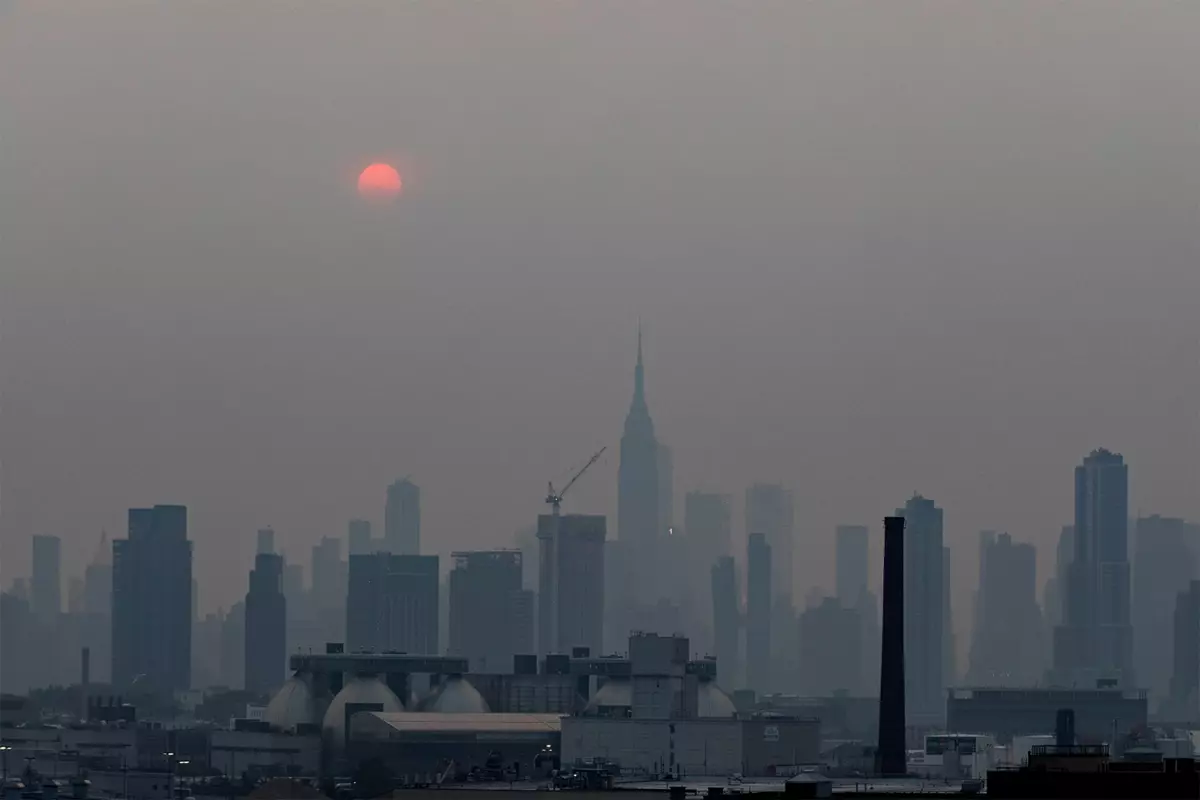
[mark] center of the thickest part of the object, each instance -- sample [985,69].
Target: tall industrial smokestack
[85,680]
[891,755]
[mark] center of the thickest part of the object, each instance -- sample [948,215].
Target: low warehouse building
[419,743]
[693,747]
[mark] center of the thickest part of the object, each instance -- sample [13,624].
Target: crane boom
[554,498]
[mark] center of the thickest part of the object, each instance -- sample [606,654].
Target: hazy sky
[877,247]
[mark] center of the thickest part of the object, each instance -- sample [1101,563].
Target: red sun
[379,182]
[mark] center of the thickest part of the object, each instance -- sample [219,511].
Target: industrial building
[1005,713]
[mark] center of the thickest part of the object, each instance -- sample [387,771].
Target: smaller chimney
[85,680]
[1064,727]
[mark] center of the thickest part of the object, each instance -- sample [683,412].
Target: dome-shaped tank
[455,695]
[713,702]
[292,705]
[614,698]
[364,690]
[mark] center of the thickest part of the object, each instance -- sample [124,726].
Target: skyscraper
[924,611]
[666,490]
[266,625]
[571,583]
[851,569]
[264,541]
[726,622]
[1095,640]
[769,512]
[47,578]
[1164,564]
[758,612]
[831,643]
[1006,644]
[638,496]
[392,603]
[491,614]
[328,595]
[1184,695]
[708,525]
[402,519]
[358,537]
[152,600]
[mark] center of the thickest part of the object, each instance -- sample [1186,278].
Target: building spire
[639,380]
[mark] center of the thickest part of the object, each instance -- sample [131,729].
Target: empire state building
[637,482]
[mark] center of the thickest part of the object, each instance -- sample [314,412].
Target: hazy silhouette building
[392,603]
[47,578]
[1006,645]
[924,611]
[1184,695]
[266,625]
[358,537]
[571,582]
[708,524]
[831,643]
[1095,640]
[233,647]
[152,600]
[726,611]
[402,519]
[491,613]
[852,576]
[1164,564]
[638,491]
[264,541]
[328,595]
[666,489]
[758,612]
[20,658]
[769,512]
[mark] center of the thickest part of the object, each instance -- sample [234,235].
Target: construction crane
[554,499]
[548,638]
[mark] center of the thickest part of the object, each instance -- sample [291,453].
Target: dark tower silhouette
[891,756]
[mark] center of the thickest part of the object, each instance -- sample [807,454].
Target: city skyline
[867,249]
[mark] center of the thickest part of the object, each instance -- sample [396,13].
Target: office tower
[1184,695]
[1006,648]
[924,610]
[1164,564]
[266,625]
[1095,641]
[402,519]
[758,612]
[392,604]
[97,606]
[233,647]
[328,595]
[571,583]
[891,752]
[47,578]
[708,524]
[75,595]
[666,489]
[358,537]
[490,611]
[206,650]
[638,496]
[769,512]
[949,639]
[727,615]
[265,541]
[831,643]
[852,570]
[152,600]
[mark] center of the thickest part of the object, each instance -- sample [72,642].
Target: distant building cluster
[1111,615]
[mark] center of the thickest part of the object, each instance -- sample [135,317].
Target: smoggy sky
[877,248]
